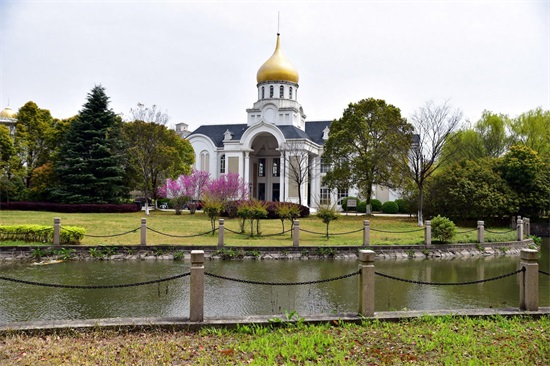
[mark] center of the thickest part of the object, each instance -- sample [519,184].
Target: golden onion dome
[7,113]
[277,68]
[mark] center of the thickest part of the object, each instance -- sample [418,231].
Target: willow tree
[368,145]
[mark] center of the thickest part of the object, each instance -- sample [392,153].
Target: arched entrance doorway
[266,168]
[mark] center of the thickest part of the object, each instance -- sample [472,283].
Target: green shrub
[41,234]
[403,205]
[362,206]
[375,205]
[327,214]
[443,229]
[390,207]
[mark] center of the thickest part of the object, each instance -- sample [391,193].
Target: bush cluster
[231,208]
[390,207]
[375,205]
[71,208]
[41,234]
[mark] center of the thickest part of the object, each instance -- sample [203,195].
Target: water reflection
[226,298]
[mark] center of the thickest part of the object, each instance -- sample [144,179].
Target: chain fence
[260,235]
[94,287]
[450,283]
[466,231]
[182,236]
[356,273]
[103,236]
[397,232]
[500,232]
[544,273]
[331,234]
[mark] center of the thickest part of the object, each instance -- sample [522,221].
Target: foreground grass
[446,340]
[172,227]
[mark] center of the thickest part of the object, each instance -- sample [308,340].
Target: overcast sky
[197,61]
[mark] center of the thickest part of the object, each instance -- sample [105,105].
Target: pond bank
[171,252]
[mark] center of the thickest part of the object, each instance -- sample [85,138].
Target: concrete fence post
[428,232]
[519,229]
[196,298]
[529,280]
[143,240]
[366,282]
[480,231]
[221,233]
[526,226]
[366,233]
[56,230]
[296,236]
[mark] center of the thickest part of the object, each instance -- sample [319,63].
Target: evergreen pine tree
[90,163]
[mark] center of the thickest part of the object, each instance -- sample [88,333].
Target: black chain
[544,273]
[397,232]
[180,236]
[499,232]
[233,231]
[449,283]
[312,232]
[282,283]
[96,286]
[277,234]
[106,236]
[349,232]
[466,231]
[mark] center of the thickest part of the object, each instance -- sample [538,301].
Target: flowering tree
[185,188]
[227,187]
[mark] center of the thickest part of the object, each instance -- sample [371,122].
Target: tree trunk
[420,203]
[369,194]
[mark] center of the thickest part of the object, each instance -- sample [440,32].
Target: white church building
[277,152]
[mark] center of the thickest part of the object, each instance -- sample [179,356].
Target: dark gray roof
[215,132]
[313,132]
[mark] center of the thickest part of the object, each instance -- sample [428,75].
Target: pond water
[20,302]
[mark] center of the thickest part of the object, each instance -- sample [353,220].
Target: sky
[197,60]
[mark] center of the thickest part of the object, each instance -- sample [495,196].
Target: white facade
[277,152]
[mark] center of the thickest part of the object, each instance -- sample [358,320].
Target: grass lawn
[166,222]
[428,341]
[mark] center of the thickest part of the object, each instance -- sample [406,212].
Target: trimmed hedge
[41,234]
[71,208]
[375,205]
[390,207]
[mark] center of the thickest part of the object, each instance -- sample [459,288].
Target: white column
[315,180]
[246,176]
[284,175]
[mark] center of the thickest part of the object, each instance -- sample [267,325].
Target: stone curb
[176,323]
[420,251]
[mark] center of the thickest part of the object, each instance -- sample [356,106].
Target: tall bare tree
[299,162]
[434,126]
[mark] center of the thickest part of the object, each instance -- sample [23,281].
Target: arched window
[263,92]
[222,164]
[205,157]
[290,93]
[271,91]
[281,92]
